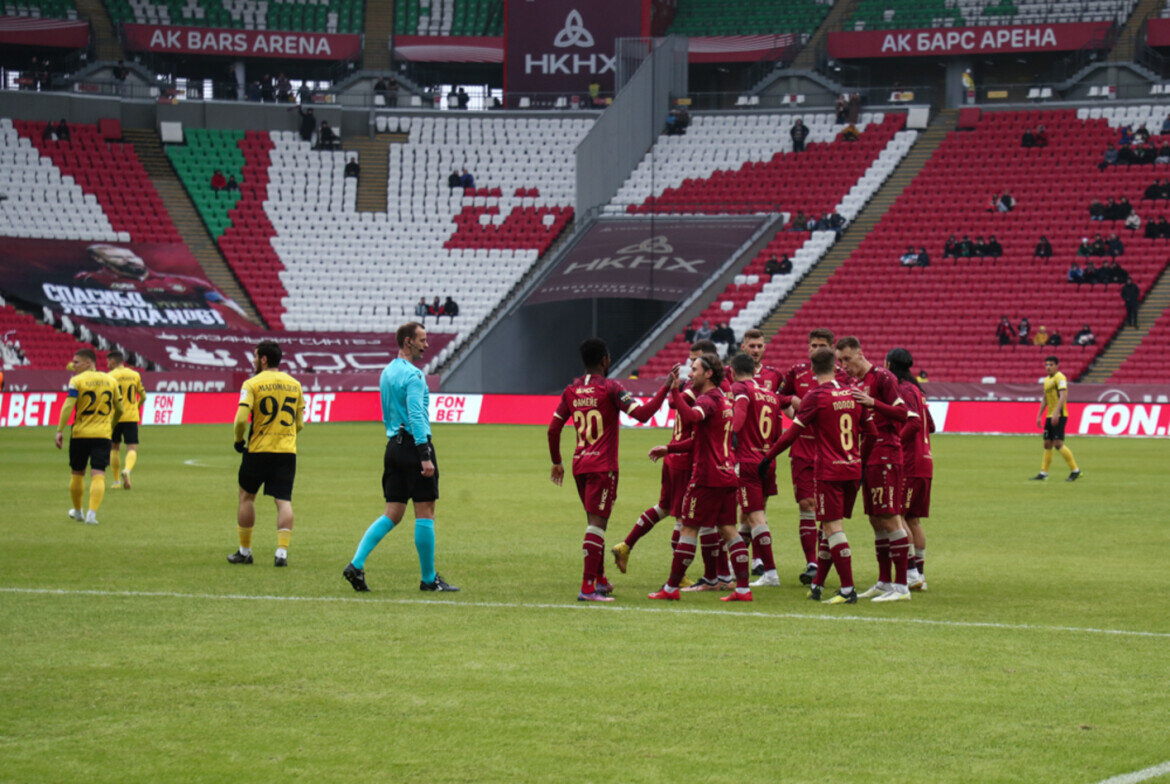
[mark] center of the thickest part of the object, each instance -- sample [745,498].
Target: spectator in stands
[1163,154]
[993,248]
[1130,294]
[1096,210]
[462,97]
[1144,154]
[1043,249]
[704,331]
[49,134]
[254,93]
[837,222]
[466,180]
[1165,189]
[1075,273]
[267,89]
[922,379]
[723,334]
[305,93]
[283,89]
[232,184]
[980,247]
[1166,124]
[308,123]
[218,181]
[1126,136]
[120,72]
[923,258]
[773,266]
[1125,156]
[1111,212]
[1004,332]
[909,258]
[1115,272]
[1083,249]
[454,181]
[1158,229]
[1028,139]
[1054,339]
[1114,246]
[850,134]
[1109,158]
[62,131]
[1003,202]
[1153,192]
[436,306]
[798,222]
[352,168]
[798,133]
[1098,247]
[1133,222]
[1141,135]
[1089,275]
[1024,329]
[1124,208]
[1041,137]
[854,108]
[1041,336]
[966,248]
[841,107]
[689,334]
[951,248]
[451,308]
[421,308]
[327,139]
[382,87]
[823,223]
[1085,337]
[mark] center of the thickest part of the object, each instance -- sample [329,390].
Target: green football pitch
[132,651]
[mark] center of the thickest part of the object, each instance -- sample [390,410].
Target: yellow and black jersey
[1053,386]
[277,407]
[133,394]
[98,403]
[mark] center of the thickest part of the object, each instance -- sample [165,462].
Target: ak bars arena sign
[947,41]
[241,43]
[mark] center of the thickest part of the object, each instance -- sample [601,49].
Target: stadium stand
[44,347]
[1150,361]
[449,17]
[112,173]
[326,16]
[946,314]
[747,17]
[41,9]
[206,152]
[906,14]
[40,201]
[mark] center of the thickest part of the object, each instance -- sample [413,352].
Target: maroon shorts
[598,492]
[674,485]
[752,495]
[883,489]
[916,496]
[803,479]
[708,506]
[835,499]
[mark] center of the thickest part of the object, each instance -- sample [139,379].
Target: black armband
[425,452]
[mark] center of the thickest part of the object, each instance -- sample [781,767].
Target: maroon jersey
[757,414]
[714,462]
[797,382]
[834,418]
[769,378]
[917,460]
[885,446]
[593,402]
[683,432]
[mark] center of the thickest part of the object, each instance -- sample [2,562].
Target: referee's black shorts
[276,471]
[126,431]
[402,478]
[1054,433]
[94,451]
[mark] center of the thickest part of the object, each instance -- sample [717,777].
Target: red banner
[1158,32]
[449,48]
[939,42]
[29,31]
[241,43]
[739,48]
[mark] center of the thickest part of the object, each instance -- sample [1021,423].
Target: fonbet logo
[1113,396]
[652,252]
[574,33]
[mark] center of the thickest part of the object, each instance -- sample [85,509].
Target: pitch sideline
[1139,775]
[593,608]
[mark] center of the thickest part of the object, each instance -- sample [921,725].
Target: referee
[410,471]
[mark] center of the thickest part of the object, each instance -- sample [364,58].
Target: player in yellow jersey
[274,403]
[126,428]
[96,403]
[1055,403]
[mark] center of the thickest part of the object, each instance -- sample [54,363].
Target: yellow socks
[131,459]
[97,490]
[245,539]
[1067,454]
[115,462]
[76,490]
[1047,461]
[283,535]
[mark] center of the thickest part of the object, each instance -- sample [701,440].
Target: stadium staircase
[186,218]
[841,11]
[379,28]
[1153,311]
[1123,49]
[374,157]
[106,42]
[928,141]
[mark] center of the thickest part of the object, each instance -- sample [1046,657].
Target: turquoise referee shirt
[405,400]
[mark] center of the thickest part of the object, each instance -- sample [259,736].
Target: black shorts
[1054,433]
[402,478]
[275,470]
[126,431]
[95,451]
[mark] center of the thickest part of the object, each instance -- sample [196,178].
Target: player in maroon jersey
[835,419]
[710,496]
[757,425]
[797,382]
[917,462]
[594,402]
[877,390]
[676,472]
[765,376]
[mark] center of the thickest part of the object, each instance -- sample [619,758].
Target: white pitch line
[196,463]
[585,607]
[1139,775]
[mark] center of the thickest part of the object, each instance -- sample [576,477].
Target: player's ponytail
[899,362]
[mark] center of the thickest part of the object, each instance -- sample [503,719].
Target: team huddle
[855,428]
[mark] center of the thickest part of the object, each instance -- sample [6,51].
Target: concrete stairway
[379,28]
[105,39]
[374,157]
[1123,49]
[1126,341]
[186,217]
[841,12]
[928,141]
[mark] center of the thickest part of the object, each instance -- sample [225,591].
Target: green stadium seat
[204,153]
[324,16]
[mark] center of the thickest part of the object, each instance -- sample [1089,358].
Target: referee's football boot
[438,585]
[239,558]
[842,598]
[356,577]
[1074,476]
